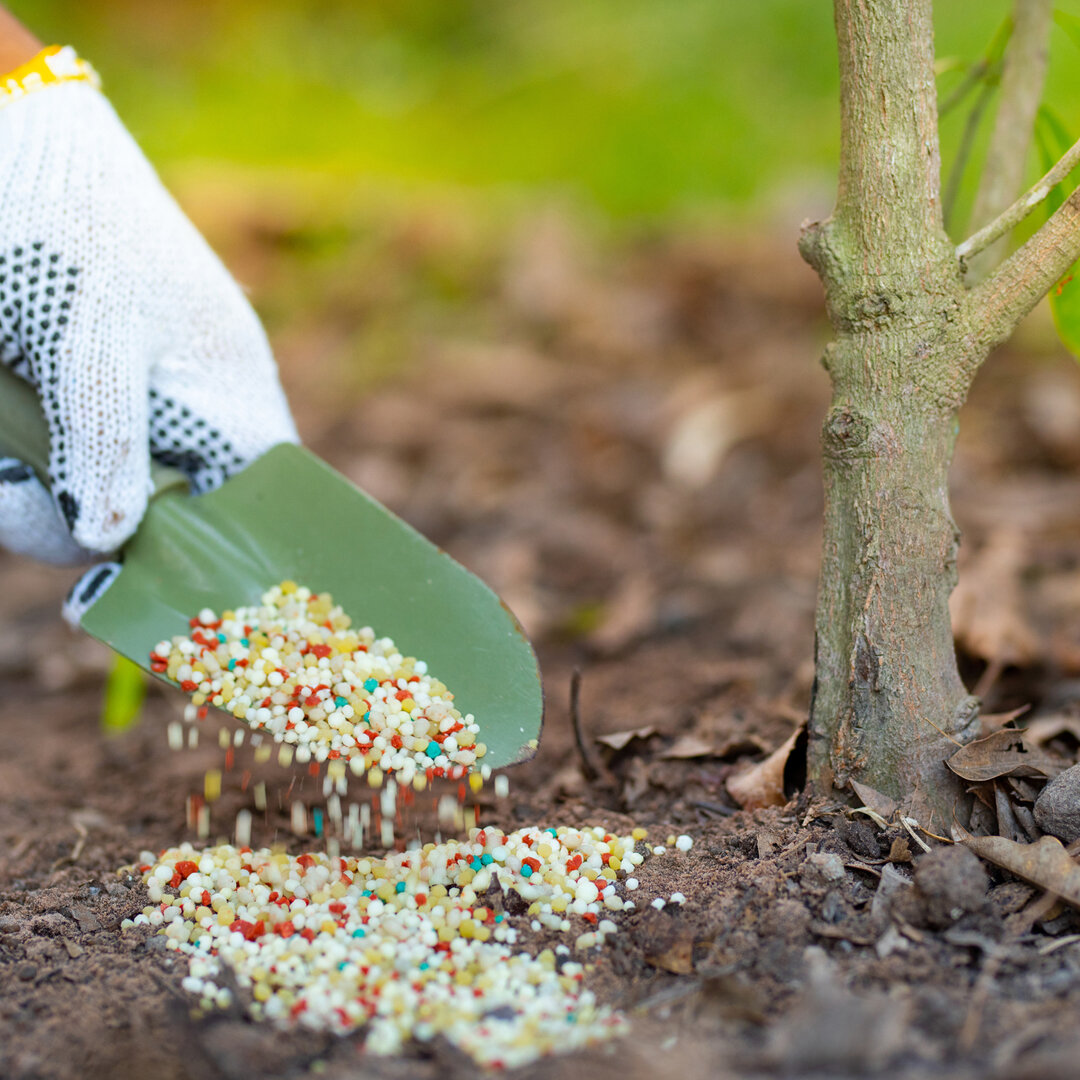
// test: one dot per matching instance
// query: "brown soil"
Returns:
(627, 451)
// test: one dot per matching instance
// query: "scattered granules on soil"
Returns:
(295, 668)
(416, 944)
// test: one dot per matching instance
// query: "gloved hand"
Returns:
(139, 342)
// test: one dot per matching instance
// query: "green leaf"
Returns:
(999, 42)
(125, 690)
(1065, 307)
(1052, 138)
(984, 75)
(984, 72)
(1070, 24)
(946, 65)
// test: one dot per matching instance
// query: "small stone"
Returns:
(26, 971)
(74, 949)
(950, 882)
(86, 919)
(824, 866)
(892, 888)
(1057, 809)
(833, 908)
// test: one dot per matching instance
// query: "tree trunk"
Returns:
(888, 704)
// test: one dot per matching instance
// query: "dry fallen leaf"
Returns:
(688, 746)
(1004, 753)
(617, 740)
(733, 747)
(763, 784)
(1045, 863)
(707, 426)
(1045, 728)
(874, 800)
(991, 722)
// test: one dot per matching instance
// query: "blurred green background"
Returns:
(637, 109)
(378, 172)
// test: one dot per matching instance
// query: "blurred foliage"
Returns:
(637, 107)
(640, 105)
(1053, 139)
(125, 691)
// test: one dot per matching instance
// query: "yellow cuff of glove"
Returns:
(55, 64)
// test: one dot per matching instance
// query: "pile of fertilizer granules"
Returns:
(416, 944)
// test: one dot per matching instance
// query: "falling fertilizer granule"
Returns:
(414, 945)
(294, 668)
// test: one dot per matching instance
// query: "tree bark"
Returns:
(889, 705)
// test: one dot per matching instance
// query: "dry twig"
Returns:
(589, 765)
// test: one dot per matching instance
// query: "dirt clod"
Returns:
(950, 882)
(860, 837)
(823, 868)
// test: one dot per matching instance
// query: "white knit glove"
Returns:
(139, 342)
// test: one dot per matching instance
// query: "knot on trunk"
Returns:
(875, 308)
(846, 433)
(965, 726)
(813, 245)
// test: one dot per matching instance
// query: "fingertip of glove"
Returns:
(13, 471)
(99, 528)
(87, 591)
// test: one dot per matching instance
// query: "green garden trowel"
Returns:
(290, 516)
